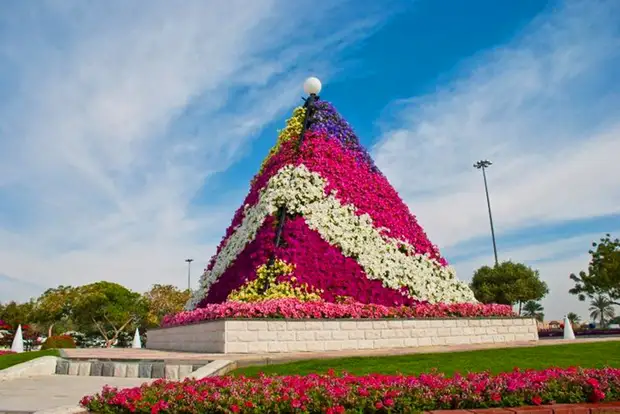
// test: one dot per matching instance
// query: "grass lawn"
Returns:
(9, 360)
(587, 355)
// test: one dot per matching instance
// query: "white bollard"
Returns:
(18, 342)
(568, 329)
(137, 343)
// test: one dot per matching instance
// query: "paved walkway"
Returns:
(263, 359)
(45, 392)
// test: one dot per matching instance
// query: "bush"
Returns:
(58, 342)
(361, 394)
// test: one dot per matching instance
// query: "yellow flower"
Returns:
(266, 276)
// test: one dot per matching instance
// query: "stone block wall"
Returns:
(282, 336)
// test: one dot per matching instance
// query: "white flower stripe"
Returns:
(303, 192)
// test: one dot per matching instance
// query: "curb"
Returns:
(65, 409)
(610, 407)
(45, 365)
(213, 369)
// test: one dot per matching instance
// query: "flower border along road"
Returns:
(373, 393)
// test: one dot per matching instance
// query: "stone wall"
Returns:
(280, 336)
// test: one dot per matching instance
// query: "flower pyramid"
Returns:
(320, 219)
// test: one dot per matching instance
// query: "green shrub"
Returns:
(58, 342)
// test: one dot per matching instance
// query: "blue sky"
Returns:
(129, 131)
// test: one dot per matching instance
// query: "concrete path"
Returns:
(264, 359)
(45, 392)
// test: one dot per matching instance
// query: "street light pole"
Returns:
(483, 165)
(189, 272)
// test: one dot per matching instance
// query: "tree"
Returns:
(164, 300)
(508, 284)
(534, 310)
(573, 318)
(53, 306)
(601, 308)
(108, 308)
(603, 275)
(14, 313)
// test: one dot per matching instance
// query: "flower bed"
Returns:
(5, 352)
(346, 229)
(551, 333)
(369, 394)
(294, 309)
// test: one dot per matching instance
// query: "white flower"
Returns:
(303, 192)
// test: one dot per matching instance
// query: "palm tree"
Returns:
(573, 318)
(534, 310)
(602, 309)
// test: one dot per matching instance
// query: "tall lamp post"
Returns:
(483, 165)
(189, 273)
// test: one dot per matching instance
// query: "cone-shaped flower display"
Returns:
(18, 341)
(136, 343)
(344, 231)
(568, 329)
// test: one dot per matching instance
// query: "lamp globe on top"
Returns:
(312, 86)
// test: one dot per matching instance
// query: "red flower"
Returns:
(234, 408)
(378, 405)
(597, 395)
(536, 400)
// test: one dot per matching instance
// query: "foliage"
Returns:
(573, 318)
(8, 360)
(294, 309)
(534, 310)
(83, 340)
(601, 308)
(108, 308)
(164, 300)
(603, 275)
(508, 283)
(332, 393)
(14, 313)
(58, 342)
(53, 306)
(267, 286)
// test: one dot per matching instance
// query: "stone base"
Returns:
(257, 336)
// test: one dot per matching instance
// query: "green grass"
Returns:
(587, 355)
(9, 360)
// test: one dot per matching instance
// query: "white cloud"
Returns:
(545, 110)
(116, 113)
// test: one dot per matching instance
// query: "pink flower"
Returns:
(333, 393)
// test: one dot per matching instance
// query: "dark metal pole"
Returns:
(309, 105)
(483, 165)
(486, 190)
(189, 273)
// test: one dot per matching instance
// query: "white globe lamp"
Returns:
(312, 86)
